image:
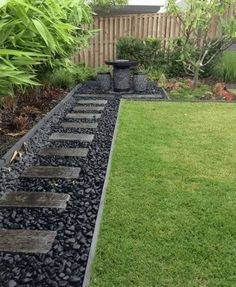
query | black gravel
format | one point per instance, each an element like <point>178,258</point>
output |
<point>65,264</point>
<point>91,87</point>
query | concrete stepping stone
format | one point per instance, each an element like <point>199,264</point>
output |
<point>68,125</point>
<point>92,102</point>
<point>109,96</point>
<point>143,97</point>
<point>34,199</point>
<point>27,241</point>
<point>71,137</point>
<point>79,152</point>
<point>88,108</point>
<point>83,116</point>
<point>64,172</point>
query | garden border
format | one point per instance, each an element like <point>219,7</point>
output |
<point>179,100</point>
<point>93,247</point>
<point>5,159</point>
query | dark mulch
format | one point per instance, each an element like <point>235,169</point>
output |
<point>33,106</point>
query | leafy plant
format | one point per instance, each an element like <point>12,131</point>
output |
<point>83,73</point>
<point>175,65</point>
<point>196,18</point>
<point>162,80</point>
<point>68,76</point>
<point>225,68</point>
<point>103,69</point>
<point>35,33</point>
<point>105,5</point>
<point>182,90</point>
<point>62,79</point>
<point>30,111</point>
<point>21,122</point>
<point>8,103</point>
<point>149,53</point>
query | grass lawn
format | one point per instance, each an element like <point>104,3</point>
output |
<point>170,212</point>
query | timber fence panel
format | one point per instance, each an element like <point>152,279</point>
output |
<point>156,25</point>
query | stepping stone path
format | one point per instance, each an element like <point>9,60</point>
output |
<point>92,102</point>
<point>40,241</point>
<point>28,241</point>
<point>83,116</point>
<point>106,96</point>
<point>80,152</point>
<point>71,137</point>
<point>52,172</point>
<point>68,125</point>
<point>34,199</point>
<point>88,108</point>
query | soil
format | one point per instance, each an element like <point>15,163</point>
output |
<point>18,115</point>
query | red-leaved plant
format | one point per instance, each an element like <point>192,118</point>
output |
<point>21,122</point>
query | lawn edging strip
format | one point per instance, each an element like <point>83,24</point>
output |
<point>5,160</point>
<point>93,247</point>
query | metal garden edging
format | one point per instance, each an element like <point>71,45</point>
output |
<point>92,251</point>
<point>8,155</point>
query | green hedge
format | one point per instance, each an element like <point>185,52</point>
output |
<point>149,52</point>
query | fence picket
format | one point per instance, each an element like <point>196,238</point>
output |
<point>111,28</point>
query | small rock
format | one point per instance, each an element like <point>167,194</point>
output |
<point>75,279</point>
<point>12,283</point>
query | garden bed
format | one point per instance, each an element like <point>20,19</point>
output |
<point>20,114</point>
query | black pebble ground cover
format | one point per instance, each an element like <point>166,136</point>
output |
<point>169,217</point>
<point>65,264</point>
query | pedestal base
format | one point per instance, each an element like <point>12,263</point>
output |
<point>121,79</point>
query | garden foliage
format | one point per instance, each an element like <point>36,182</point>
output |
<point>225,69</point>
<point>67,77</point>
<point>196,18</point>
<point>35,33</point>
<point>148,52</point>
<point>105,5</point>
<point>158,60</point>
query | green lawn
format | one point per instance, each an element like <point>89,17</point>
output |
<point>170,212</point>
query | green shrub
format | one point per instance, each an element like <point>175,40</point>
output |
<point>35,33</point>
<point>186,92</point>
<point>61,78</point>
<point>175,65</point>
<point>103,69</point>
<point>68,75</point>
<point>151,55</point>
<point>225,68</point>
<point>148,53</point>
<point>155,74</point>
<point>83,73</point>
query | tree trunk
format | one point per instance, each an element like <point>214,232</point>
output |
<point>196,77</point>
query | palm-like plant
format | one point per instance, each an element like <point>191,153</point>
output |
<point>34,33</point>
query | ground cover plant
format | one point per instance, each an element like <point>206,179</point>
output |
<point>169,216</point>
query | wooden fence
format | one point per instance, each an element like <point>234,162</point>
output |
<point>103,46</point>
